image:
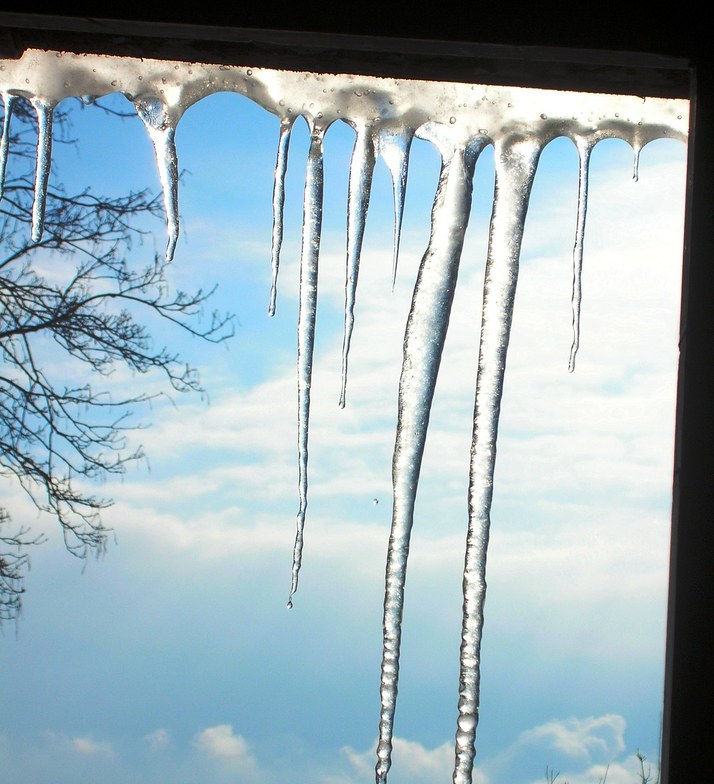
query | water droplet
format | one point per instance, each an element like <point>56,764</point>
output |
<point>452,120</point>
<point>249,72</point>
<point>544,117</point>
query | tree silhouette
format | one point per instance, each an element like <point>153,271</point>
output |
<point>75,309</point>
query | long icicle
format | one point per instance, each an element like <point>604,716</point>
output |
<point>585,147</point>
<point>516,164</point>
<point>360,186</point>
<point>281,168</point>
<point>45,114</point>
<point>394,150</point>
<point>9,104</point>
<point>162,133</point>
<point>311,229</point>
<point>424,337</point>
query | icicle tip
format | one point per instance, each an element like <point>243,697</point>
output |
<point>171,246</point>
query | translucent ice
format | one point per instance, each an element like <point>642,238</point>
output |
<point>281,167</point>
<point>311,230</point>
<point>394,151</point>
<point>516,160</point>
<point>9,102</point>
<point>162,132</point>
<point>584,150</point>
<point>44,109</point>
<point>361,169</point>
<point>424,338</point>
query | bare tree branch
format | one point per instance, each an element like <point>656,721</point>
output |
<point>97,311</point>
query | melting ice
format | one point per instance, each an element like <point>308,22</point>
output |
<point>460,120</point>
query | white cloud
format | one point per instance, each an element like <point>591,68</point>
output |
<point>89,746</point>
<point>158,739</point>
<point>84,745</point>
<point>626,771</point>
<point>594,736</point>
<point>412,762</point>
<point>589,750</point>
<point>221,742</point>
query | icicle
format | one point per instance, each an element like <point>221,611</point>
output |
<point>9,103</point>
<point>361,170</point>
<point>516,163</point>
<point>423,342</point>
<point>162,133</point>
<point>394,149</point>
<point>584,149</point>
<point>636,162</point>
<point>281,167</point>
<point>45,115</point>
<point>311,228</point>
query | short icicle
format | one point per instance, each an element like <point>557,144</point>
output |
<point>360,186</point>
<point>311,229</point>
<point>516,163</point>
<point>45,114</point>
<point>584,149</point>
<point>636,162</point>
<point>281,168</point>
<point>8,103</point>
<point>424,337</point>
<point>394,150</point>
<point>163,136</point>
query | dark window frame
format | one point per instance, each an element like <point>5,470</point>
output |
<point>621,52</point>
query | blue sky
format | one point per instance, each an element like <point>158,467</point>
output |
<point>174,658</point>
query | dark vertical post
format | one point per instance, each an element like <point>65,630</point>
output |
<point>688,730</point>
